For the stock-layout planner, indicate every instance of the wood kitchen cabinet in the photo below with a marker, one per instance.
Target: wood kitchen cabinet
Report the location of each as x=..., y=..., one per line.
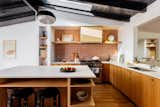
x=106, y=73
x=143, y=90
x=111, y=74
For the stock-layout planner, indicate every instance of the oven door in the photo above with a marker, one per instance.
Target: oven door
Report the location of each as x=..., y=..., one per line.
x=98, y=73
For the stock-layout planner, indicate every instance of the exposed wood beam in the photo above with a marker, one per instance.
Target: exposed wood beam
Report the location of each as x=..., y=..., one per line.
x=115, y=10
x=16, y=16
x=13, y=11
x=17, y=20
x=120, y=17
x=13, y=5
x=129, y=4
x=143, y=1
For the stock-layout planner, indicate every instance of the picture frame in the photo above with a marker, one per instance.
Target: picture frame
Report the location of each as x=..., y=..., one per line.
x=9, y=49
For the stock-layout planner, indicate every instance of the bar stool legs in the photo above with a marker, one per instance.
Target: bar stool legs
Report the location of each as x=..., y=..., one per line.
x=9, y=94
x=49, y=93
x=25, y=102
x=19, y=94
x=37, y=100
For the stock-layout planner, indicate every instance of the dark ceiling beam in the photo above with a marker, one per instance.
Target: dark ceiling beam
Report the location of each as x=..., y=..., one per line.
x=143, y=1
x=12, y=5
x=16, y=16
x=120, y=17
x=115, y=10
x=129, y=4
x=16, y=10
x=9, y=2
x=16, y=20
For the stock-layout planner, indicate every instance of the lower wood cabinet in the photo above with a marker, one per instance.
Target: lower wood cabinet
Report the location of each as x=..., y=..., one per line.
x=106, y=73
x=143, y=90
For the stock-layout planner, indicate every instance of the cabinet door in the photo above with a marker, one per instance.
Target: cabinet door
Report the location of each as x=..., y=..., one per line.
x=111, y=74
x=126, y=82
x=114, y=76
x=133, y=86
x=148, y=93
x=138, y=89
x=106, y=72
x=156, y=93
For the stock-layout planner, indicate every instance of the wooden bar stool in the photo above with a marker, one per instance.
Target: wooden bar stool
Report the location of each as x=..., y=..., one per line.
x=48, y=93
x=19, y=94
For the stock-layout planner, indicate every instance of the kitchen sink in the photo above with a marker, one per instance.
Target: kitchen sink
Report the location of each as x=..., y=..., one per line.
x=142, y=69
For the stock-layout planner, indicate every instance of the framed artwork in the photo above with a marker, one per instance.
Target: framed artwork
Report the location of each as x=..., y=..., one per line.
x=9, y=49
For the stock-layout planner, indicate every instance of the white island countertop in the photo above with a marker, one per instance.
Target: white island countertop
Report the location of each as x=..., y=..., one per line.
x=82, y=71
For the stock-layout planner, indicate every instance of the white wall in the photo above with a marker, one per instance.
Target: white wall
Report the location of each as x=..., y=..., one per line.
x=148, y=35
x=140, y=48
x=26, y=35
x=126, y=36
x=128, y=32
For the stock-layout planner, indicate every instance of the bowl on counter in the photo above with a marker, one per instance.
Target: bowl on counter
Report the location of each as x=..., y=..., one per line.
x=82, y=95
x=68, y=69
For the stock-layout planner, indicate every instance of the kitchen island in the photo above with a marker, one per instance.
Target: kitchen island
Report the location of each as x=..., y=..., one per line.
x=49, y=76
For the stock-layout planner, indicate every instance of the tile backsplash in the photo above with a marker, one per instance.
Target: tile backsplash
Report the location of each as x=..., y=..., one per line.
x=85, y=51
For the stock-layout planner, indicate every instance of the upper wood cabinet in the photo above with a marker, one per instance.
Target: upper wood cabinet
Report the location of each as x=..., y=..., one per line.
x=91, y=34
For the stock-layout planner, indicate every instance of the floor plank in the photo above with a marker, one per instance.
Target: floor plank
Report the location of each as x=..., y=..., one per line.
x=107, y=96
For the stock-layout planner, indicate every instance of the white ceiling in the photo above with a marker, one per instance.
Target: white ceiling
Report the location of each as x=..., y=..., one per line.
x=151, y=26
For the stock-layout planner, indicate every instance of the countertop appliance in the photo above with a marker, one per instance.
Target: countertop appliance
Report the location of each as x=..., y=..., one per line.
x=96, y=67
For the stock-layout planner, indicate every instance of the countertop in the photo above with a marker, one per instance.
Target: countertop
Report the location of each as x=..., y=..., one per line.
x=154, y=74
x=82, y=71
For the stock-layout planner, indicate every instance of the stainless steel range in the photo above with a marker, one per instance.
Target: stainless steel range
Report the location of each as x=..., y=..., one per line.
x=96, y=67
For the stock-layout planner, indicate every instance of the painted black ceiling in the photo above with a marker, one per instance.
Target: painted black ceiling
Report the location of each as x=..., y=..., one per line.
x=16, y=11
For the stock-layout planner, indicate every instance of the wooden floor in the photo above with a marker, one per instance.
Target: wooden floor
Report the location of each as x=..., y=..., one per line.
x=106, y=96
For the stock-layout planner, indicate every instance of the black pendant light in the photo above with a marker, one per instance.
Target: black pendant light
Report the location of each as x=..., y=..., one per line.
x=46, y=17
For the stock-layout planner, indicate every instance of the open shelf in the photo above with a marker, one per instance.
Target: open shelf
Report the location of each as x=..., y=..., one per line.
x=74, y=42
x=43, y=47
x=88, y=103
x=63, y=43
x=43, y=38
x=78, y=83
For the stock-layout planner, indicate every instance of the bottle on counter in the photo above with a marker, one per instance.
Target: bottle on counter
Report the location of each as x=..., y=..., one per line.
x=76, y=57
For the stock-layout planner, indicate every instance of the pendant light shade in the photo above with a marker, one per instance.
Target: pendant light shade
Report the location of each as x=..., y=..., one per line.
x=46, y=17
